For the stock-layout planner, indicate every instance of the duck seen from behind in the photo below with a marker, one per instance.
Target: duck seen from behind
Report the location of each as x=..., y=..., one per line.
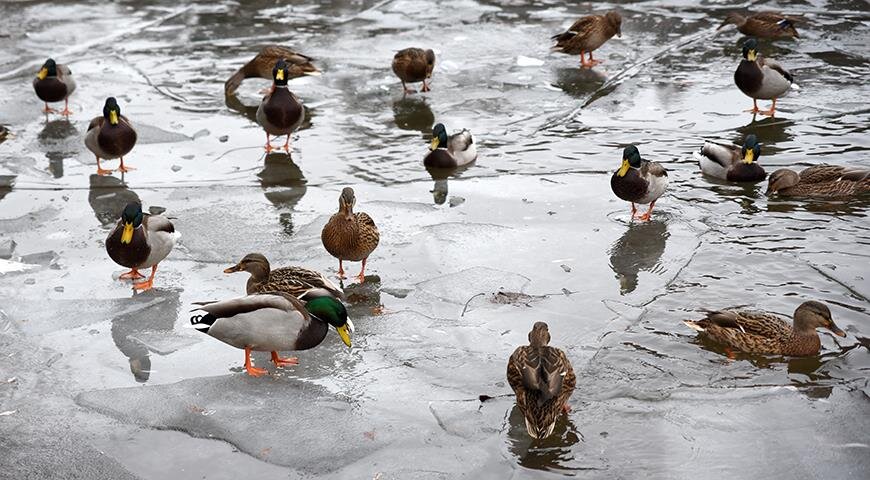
x=295, y=281
x=762, y=25
x=140, y=241
x=730, y=162
x=261, y=66
x=761, y=78
x=280, y=112
x=820, y=181
x=111, y=136
x=457, y=150
x=273, y=322
x=350, y=235
x=587, y=34
x=413, y=65
x=639, y=181
x=53, y=83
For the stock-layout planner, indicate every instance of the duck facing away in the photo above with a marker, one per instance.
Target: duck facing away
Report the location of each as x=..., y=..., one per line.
x=766, y=333
x=413, y=65
x=639, y=181
x=273, y=322
x=350, y=236
x=543, y=380
x=450, y=152
x=110, y=136
x=587, y=34
x=140, y=241
x=762, y=25
x=732, y=163
x=280, y=112
x=296, y=281
x=261, y=66
x=761, y=78
x=53, y=83
x=820, y=181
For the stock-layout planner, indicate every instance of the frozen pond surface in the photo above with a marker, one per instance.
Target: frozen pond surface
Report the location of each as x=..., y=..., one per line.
x=104, y=384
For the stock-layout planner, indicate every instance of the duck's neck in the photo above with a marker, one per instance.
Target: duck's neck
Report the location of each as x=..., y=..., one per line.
x=259, y=275
x=803, y=342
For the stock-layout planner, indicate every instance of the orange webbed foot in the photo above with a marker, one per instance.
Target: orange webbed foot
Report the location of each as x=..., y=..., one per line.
x=143, y=286
x=132, y=274
x=66, y=112
x=268, y=148
x=361, y=277
x=103, y=171
x=255, y=372
x=125, y=168
x=283, y=362
x=644, y=217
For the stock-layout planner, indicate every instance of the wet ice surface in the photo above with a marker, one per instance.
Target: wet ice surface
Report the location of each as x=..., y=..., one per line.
x=102, y=385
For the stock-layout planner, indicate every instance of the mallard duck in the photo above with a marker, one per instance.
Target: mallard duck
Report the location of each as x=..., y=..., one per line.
x=280, y=112
x=732, y=163
x=293, y=280
x=140, y=241
x=761, y=78
x=350, y=236
x=762, y=24
x=820, y=181
x=261, y=66
x=273, y=322
x=543, y=379
x=639, y=181
x=54, y=83
x=111, y=136
x=413, y=65
x=766, y=333
x=450, y=152
x=587, y=34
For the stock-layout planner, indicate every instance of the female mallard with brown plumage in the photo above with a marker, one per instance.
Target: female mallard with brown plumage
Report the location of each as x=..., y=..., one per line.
x=762, y=24
x=820, y=181
x=454, y=151
x=261, y=66
x=543, y=379
x=730, y=162
x=350, y=236
x=110, y=136
x=53, y=83
x=296, y=281
x=280, y=112
x=761, y=78
x=639, y=181
x=413, y=65
x=587, y=34
x=140, y=241
x=766, y=333
x=273, y=322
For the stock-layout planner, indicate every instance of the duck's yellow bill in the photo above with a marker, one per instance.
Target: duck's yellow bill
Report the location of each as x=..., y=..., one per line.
x=43, y=72
x=127, y=234
x=624, y=168
x=279, y=75
x=752, y=55
x=113, y=117
x=434, y=144
x=749, y=156
x=344, y=333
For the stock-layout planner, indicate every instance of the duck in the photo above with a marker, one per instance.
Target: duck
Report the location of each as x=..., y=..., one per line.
x=350, y=236
x=761, y=78
x=273, y=322
x=762, y=25
x=54, y=82
x=639, y=181
x=111, y=136
x=413, y=65
x=767, y=333
x=587, y=34
x=454, y=151
x=298, y=65
x=280, y=112
x=730, y=162
x=296, y=281
x=820, y=181
x=140, y=241
x=543, y=379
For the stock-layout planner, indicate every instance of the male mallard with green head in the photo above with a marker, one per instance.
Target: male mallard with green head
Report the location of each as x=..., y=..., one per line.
x=761, y=78
x=587, y=34
x=110, y=136
x=543, y=380
x=140, y=241
x=261, y=66
x=53, y=83
x=766, y=333
x=762, y=24
x=273, y=322
x=639, y=181
x=820, y=181
x=413, y=65
x=280, y=112
x=350, y=236
x=450, y=152
x=295, y=281
x=732, y=163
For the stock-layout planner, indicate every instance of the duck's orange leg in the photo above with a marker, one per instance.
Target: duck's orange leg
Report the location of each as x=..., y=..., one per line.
x=48, y=109
x=645, y=216
x=593, y=61
x=340, y=270
x=287, y=144
x=132, y=274
x=772, y=110
x=282, y=362
x=101, y=170
x=754, y=108
x=268, y=146
x=633, y=211
x=66, y=111
x=147, y=284
x=362, y=273
x=583, y=62
x=426, y=86
x=252, y=370
x=125, y=168
x=406, y=89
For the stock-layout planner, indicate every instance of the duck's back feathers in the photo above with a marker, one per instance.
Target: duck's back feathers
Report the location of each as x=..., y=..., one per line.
x=294, y=281
x=261, y=66
x=586, y=34
x=543, y=380
x=821, y=181
x=413, y=64
x=724, y=162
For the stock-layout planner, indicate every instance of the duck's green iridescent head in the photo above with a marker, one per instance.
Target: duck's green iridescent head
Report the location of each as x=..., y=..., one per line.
x=112, y=111
x=132, y=217
x=630, y=159
x=49, y=69
x=330, y=310
x=750, y=49
x=439, y=137
x=281, y=73
x=751, y=150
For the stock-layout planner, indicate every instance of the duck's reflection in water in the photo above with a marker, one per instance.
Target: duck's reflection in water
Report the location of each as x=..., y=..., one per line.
x=639, y=249
x=551, y=453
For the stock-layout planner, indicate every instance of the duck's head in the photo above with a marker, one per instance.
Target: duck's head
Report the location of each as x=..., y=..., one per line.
x=732, y=18
x=781, y=179
x=254, y=263
x=630, y=159
x=281, y=73
x=346, y=201
x=750, y=49
x=430, y=62
x=439, y=137
x=326, y=308
x=751, y=150
x=112, y=111
x=615, y=20
x=811, y=315
x=49, y=69
x=539, y=336
x=131, y=217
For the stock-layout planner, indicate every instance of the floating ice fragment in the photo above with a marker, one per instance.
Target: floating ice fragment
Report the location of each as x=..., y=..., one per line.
x=524, y=61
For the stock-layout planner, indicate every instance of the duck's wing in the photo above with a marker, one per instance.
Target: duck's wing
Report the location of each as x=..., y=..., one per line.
x=581, y=28
x=821, y=173
x=762, y=324
x=774, y=66
x=251, y=303
x=96, y=122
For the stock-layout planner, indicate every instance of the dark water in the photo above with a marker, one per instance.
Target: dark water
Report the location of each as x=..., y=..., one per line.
x=98, y=371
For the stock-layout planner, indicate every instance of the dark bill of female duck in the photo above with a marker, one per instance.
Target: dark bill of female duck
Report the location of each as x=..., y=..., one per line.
x=730, y=162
